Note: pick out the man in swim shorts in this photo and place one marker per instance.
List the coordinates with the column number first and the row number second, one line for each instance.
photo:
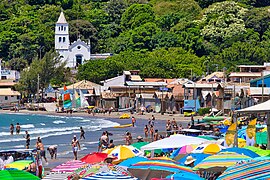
column 75, row 147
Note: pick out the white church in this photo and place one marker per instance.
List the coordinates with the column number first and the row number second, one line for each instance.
column 74, row 53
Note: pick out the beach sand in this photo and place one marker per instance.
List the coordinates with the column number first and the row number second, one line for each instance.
column 118, row 134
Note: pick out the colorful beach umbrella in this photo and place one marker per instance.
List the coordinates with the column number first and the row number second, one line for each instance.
column 208, row 148
column 258, row 151
column 123, row 152
column 158, row 165
column 184, row 150
column 138, row 145
column 184, row 176
column 163, row 159
column 198, row 156
column 259, row 169
column 57, row 176
column 130, row 161
column 16, row 175
column 69, row 166
column 109, row 176
column 220, row 162
column 95, row 157
column 243, row 151
column 20, row 165
column 149, row 173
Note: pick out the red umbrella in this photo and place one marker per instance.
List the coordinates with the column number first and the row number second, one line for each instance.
column 95, row 157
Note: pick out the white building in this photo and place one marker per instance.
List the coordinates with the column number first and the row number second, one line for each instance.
column 75, row 53
column 7, row 74
column 7, row 95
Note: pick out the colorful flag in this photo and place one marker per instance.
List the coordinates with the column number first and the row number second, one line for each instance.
column 251, row 132
column 230, row 135
column 67, row 100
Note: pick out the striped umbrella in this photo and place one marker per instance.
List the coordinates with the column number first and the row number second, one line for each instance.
column 69, row 166
column 109, row 176
column 220, row 161
column 158, row 165
column 208, row 148
column 163, row 159
column 259, row 169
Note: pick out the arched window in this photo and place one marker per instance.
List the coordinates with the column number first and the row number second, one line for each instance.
column 64, row 39
column 62, row 27
column 59, row 28
column 60, row 39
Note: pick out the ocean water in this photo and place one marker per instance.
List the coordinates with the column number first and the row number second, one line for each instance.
column 54, row 130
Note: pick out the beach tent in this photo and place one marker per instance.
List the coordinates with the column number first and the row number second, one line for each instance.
column 262, row 107
column 95, row 157
column 69, row 166
column 16, row 174
column 174, row 141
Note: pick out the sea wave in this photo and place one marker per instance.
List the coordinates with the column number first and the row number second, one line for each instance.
column 59, row 122
column 26, row 126
column 42, row 124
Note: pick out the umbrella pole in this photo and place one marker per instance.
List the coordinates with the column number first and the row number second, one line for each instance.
column 268, row 131
column 236, row 131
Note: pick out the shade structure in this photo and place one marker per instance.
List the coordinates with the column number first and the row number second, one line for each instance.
column 184, row 150
column 16, row 175
column 123, row 152
column 20, row 165
column 220, row 162
column 259, row 151
column 148, row 173
column 69, row 166
column 184, row 176
column 130, row 161
column 243, row 151
column 95, row 157
column 198, row 156
column 174, row 141
column 259, row 169
column 208, row 148
column 262, row 107
column 109, row 176
column 158, row 165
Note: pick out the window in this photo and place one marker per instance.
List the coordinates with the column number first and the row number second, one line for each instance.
column 64, row 39
column 4, row 77
column 12, row 96
column 79, row 47
column 62, row 27
column 18, row 97
column 6, row 98
column 60, row 39
column 59, row 28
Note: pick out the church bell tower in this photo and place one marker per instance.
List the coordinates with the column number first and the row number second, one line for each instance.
column 61, row 34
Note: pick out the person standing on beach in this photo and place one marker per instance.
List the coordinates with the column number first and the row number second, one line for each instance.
column 18, row 128
column 146, row 131
column 75, row 147
column 11, row 128
column 133, row 121
column 152, row 132
column 128, row 139
column 40, row 146
column 82, row 134
column 153, row 120
column 156, row 136
column 27, row 142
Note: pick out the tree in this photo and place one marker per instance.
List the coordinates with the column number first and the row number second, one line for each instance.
column 18, row 64
column 115, row 9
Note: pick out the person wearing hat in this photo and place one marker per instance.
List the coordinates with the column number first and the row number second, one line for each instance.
column 109, row 159
column 75, row 145
column 139, row 139
column 190, row 161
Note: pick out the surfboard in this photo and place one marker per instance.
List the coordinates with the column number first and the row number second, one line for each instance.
column 123, row 126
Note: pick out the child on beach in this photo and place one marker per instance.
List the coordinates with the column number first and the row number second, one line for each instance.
column 82, row 133
column 128, row 139
column 133, row 121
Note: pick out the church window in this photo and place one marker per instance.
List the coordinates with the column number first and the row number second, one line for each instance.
column 64, row 39
column 60, row 39
column 79, row 47
column 62, row 27
column 59, row 28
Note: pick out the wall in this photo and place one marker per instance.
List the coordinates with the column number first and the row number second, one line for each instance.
column 9, row 100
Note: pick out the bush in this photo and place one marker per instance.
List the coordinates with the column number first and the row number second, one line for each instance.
column 203, row 111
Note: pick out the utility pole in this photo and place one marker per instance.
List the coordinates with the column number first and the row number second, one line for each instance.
column 38, row 93
column 262, row 87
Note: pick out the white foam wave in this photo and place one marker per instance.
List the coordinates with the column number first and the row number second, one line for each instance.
column 59, row 122
column 26, row 126
column 85, row 120
column 42, row 124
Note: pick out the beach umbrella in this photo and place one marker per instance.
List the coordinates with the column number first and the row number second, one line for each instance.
column 158, row 165
column 220, row 162
column 163, row 159
column 258, row 169
column 95, row 157
column 149, row 173
column 20, row 165
column 198, row 156
column 130, row 161
column 184, row 176
column 109, row 176
column 69, row 166
column 184, row 150
column 243, row 151
column 241, row 142
column 258, row 151
column 57, row 176
column 123, row 152
column 138, row 145
column 208, row 148
column 16, row 175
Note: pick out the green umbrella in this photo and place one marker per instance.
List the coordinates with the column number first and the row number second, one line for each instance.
column 138, row 145
column 261, row 137
column 259, row 151
column 206, row 137
column 16, row 175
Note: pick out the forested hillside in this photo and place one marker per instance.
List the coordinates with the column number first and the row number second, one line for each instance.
column 162, row 38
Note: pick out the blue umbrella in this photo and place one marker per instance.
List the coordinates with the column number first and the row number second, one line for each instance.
column 129, row 162
column 243, row 151
column 185, row 176
column 198, row 156
column 109, row 176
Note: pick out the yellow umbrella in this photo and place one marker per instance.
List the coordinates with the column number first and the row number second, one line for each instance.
column 20, row 165
column 123, row 152
column 241, row 143
column 208, row 149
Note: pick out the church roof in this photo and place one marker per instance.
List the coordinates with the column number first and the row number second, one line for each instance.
column 78, row 42
column 62, row 19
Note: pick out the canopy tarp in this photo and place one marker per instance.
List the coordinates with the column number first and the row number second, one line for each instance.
column 262, row 107
column 174, row 141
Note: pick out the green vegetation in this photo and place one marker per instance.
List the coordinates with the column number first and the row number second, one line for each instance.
column 162, row 38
